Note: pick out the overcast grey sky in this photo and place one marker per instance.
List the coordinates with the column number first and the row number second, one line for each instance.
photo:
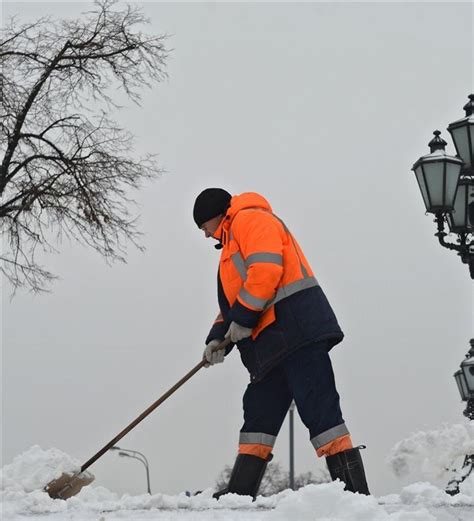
column 323, row 108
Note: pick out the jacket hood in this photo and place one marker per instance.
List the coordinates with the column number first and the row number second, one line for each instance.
column 241, row 202
column 247, row 200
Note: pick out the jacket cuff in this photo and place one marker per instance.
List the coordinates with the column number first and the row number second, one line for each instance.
column 217, row 332
column 244, row 316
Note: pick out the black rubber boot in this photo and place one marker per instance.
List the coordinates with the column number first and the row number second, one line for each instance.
column 246, row 476
column 348, row 467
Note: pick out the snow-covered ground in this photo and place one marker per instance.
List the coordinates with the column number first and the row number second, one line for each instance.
column 427, row 454
column 325, row 502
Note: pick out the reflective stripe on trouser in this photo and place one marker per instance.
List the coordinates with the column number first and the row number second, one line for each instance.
column 332, row 441
column 329, row 435
column 305, row 376
column 257, row 444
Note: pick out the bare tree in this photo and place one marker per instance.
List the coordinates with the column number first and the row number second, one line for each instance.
column 67, row 170
column 276, row 479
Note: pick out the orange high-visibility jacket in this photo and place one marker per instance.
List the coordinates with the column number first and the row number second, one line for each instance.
column 261, row 263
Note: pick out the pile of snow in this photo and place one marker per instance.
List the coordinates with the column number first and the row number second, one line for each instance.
column 432, row 455
column 330, row 502
column 24, row 479
column 36, row 467
column 428, row 494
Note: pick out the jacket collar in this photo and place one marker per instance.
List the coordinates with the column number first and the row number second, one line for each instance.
column 240, row 202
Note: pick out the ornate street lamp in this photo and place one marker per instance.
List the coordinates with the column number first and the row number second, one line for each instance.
column 462, row 132
column 467, row 368
column 438, row 174
column 462, row 385
column 447, row 186
column 465, row 381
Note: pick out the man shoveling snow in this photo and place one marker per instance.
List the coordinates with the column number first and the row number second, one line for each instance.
column 274, row 310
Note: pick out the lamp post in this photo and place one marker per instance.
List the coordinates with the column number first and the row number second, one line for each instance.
column 465, row 380
column 140, row 457
column 447, row 186
column 292, row 445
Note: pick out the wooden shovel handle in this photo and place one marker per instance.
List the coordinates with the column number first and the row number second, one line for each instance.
column 152, row 407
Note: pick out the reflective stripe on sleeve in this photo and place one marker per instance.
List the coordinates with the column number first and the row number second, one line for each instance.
column 292, row 288
column 257, row 437
column 240, row 265
column 273, row 258
column 329, row 435
column 255, row 302
column 282, row 293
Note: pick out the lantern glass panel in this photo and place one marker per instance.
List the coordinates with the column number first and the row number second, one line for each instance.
column 471, row 130
column 458, row 215
column 422, row 185
column 452, row 179
column 459, row 377
column 470, row 205
column 468, row 369
column 460, row 138
column 434, row 174
column 458, row 219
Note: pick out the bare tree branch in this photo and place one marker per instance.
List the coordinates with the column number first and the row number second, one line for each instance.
column 67, row 170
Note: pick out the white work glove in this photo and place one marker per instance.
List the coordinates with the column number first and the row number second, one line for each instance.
column 213, row 357
column 236, row 332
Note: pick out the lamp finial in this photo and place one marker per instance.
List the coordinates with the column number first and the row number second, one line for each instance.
column 469, row 106
column 437, row 143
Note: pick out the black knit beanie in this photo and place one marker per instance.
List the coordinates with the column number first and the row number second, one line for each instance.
column 210, row 203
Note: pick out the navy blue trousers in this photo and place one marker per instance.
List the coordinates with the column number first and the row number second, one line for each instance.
column 306, row 376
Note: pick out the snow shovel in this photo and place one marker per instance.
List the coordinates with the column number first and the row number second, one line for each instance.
column 69, row 485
